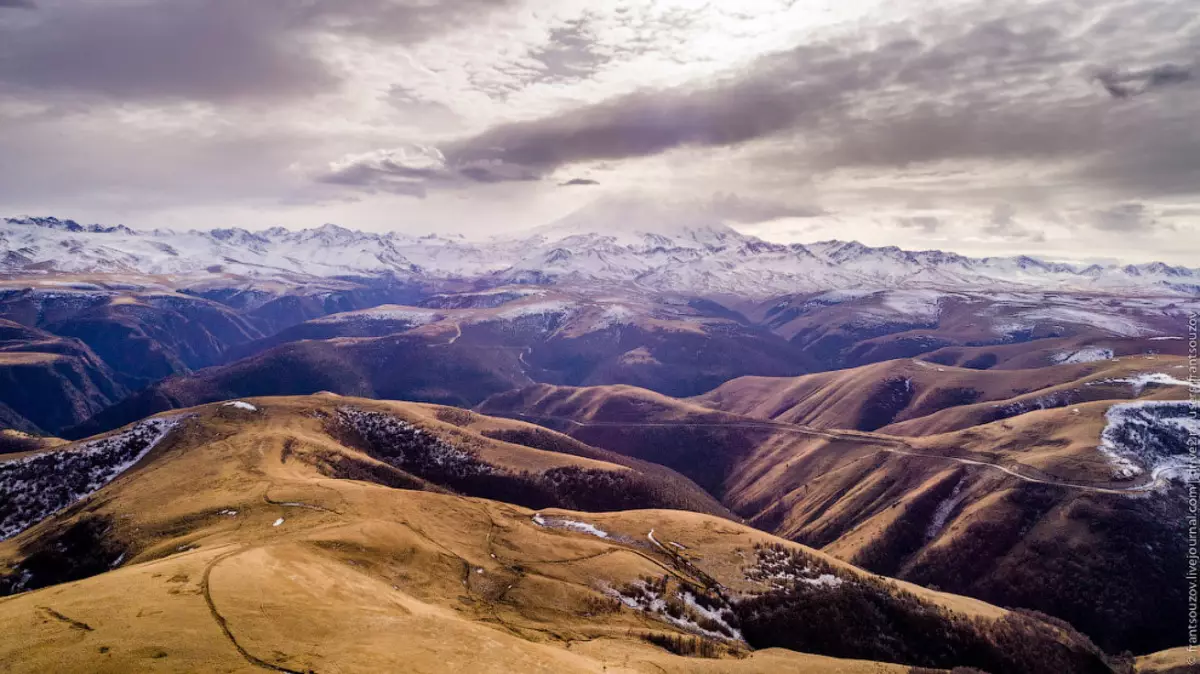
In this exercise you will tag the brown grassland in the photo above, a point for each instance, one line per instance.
(259, 540)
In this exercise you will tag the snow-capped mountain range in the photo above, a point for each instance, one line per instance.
(601, 245)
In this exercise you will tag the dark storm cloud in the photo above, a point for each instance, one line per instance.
(408, 171)
(575, 182)
(738, 109)
(494, 172)
(806, 88)
(216, 50)
(1137, 82)
(17, 4)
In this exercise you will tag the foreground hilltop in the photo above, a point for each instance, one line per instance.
(324, 533)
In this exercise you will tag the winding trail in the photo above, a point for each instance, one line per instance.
(1154, 484)
(205, 588)
(890, 444)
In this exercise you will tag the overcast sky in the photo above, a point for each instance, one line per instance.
(1065, 128)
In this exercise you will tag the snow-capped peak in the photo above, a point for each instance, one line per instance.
(650, 244)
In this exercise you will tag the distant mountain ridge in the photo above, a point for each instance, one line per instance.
(601, 245)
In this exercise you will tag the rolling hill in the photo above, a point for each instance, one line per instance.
(916, 397)
(733, 437)
(288, 545)
(1046, 518)
(460, 356)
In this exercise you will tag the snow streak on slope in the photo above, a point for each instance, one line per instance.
(33, 488)
(944, 509)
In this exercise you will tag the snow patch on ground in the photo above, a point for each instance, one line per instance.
(1011, 327)
(508, 290)
(680, 608)
(922, 305)
(278, 522)
(1117, 324)
(841, 296)
(1089, 354)
(410, 315)
(908, 307)
(241, 405)
(823, 580)
(614, 315)
(553, 307)
(573, 525)
(1150, 435)
(1047, 401)
(409, 448)
(36, 487)
(779, 569)
(1142, 380)
(713, 614)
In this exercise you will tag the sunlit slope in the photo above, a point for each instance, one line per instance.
(1023, 511)
(915, 397)
(270, 535)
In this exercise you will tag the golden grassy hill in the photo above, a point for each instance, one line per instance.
(916, 397)
(1023, 511)
(1172, 661)
(273, 536)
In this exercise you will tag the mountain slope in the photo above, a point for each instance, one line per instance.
(1041, 513)
(264, 559)
(855, 326)
(461, 356)
(915, 397)
(48, 383)
(416, 367)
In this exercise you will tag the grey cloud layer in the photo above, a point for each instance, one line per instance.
(211, 50)
(1002, 83)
